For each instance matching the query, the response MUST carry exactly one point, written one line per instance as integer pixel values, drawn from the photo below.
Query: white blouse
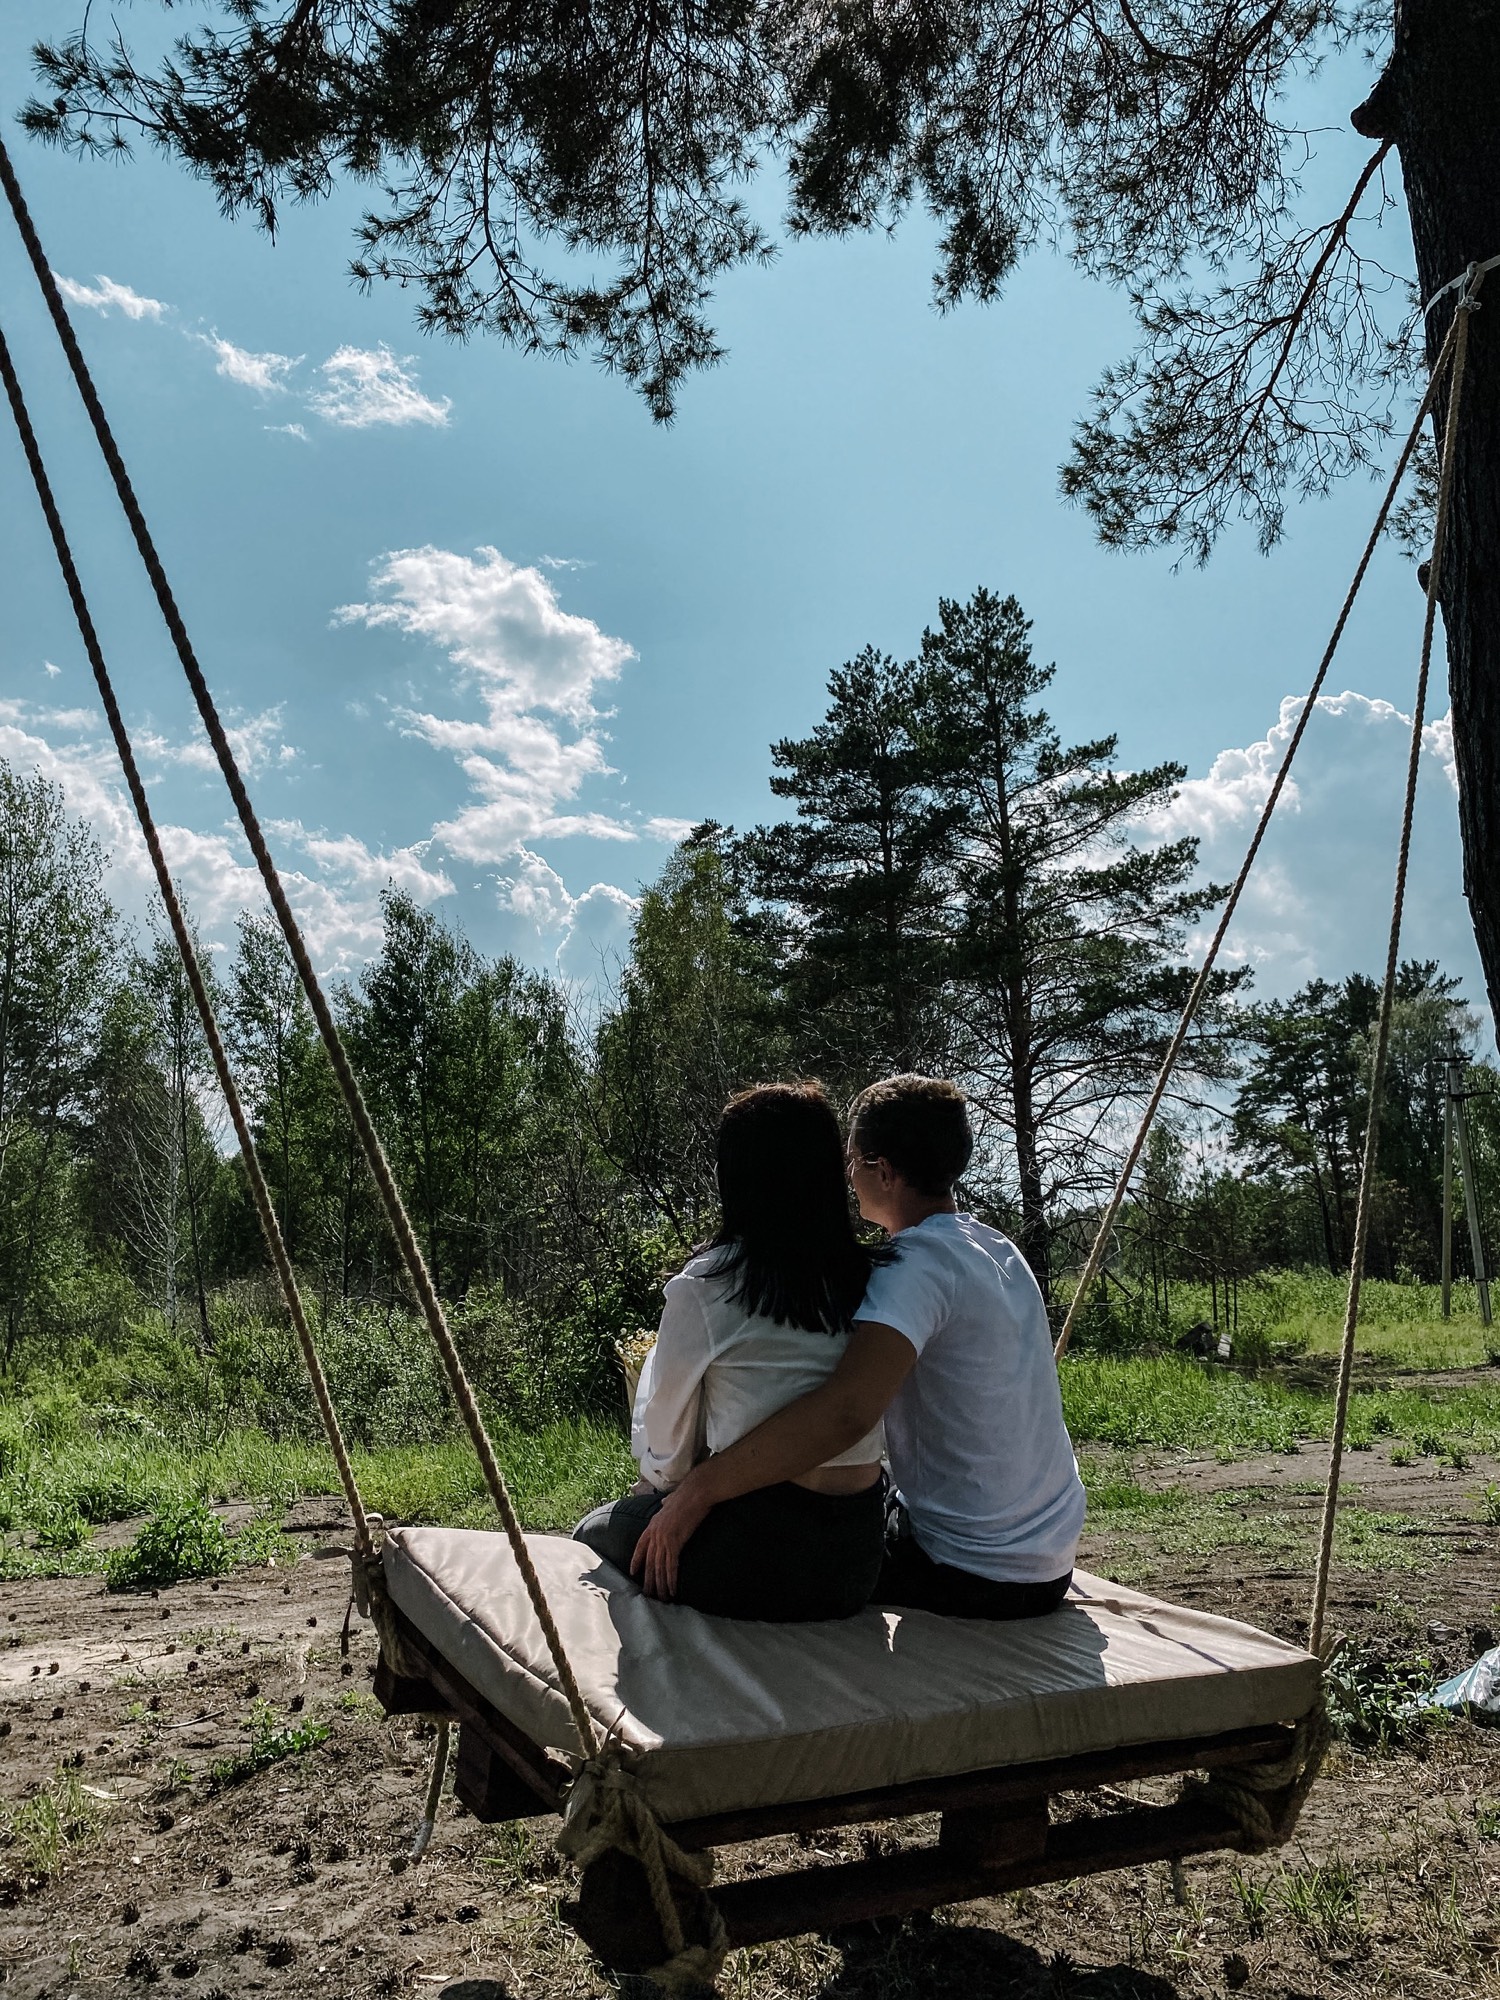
(717, 1371)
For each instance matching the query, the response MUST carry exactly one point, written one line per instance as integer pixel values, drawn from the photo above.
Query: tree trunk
(1439, 100)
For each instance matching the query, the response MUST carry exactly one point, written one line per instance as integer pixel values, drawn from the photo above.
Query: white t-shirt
(717, 1371)
(975, 1434)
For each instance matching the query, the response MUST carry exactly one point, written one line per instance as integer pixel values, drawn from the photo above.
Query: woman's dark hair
(786, 1228)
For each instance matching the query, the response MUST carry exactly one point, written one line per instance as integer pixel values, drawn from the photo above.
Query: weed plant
(272, 1738)
(41, 1831)
(188, 1539)
(1379, 1703)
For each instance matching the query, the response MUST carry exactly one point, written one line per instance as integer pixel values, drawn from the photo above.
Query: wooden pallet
(996, 1830)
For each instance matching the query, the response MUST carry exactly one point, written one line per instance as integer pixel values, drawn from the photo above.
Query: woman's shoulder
(702, 1267)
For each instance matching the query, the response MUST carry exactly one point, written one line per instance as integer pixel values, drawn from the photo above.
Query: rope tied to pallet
(607, 1809)
(1265, 1800)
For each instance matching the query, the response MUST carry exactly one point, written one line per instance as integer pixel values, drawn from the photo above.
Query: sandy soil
(294, 1881)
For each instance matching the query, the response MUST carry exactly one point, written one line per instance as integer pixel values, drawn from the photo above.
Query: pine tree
(859, 877)
(1067, 923)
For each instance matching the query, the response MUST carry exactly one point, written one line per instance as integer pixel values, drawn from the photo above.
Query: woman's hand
(664, 1537)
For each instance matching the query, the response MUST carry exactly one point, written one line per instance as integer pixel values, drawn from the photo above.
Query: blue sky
(490, 633)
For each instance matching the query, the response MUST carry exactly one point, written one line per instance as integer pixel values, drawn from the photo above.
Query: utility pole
(1456, 1125)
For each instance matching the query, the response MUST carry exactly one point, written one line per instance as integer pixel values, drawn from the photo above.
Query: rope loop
(606, 1809)
(1248, 1792)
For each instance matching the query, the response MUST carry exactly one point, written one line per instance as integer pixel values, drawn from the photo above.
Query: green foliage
(272, 1739)
(179, 1542)
(1323, 1899)
(59, 1456)
(1139, 1400)
(1380, 1703)
(42, 1831)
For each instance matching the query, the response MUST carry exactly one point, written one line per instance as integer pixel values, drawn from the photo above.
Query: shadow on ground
(959, 1962)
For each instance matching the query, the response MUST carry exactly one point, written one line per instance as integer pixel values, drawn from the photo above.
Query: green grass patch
(1141, 1527)
(1379, 1703)
(272, 1740)
(1136, 1401)
(42, 1831)
(64, 1463)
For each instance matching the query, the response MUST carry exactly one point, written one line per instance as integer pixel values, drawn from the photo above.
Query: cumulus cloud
(265, 373)
(334, 882)
(105, 295)
(368, 386)
(1318, 901)
(663, 827)
(532, 666)
(590, 934)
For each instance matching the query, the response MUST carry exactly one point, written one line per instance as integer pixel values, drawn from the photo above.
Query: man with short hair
(953, 1350)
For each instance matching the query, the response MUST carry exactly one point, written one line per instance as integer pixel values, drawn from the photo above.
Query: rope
(264, 1207)
(434, 1789)
(606, 1810)
(1247, 1792)
(1458, 332)
(374, 1152)
(1199, 987)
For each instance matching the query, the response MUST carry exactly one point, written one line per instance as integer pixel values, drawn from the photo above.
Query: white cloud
(256, 741)
(346, 858)
(528, 661)
(104, 295)
(289, 430)
(663, 827)
(52, 669)
(592, 931)
(1317, 903)
(265, 373)
(372, 386)
(334, 882)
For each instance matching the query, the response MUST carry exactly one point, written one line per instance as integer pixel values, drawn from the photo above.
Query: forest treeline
(954, 888)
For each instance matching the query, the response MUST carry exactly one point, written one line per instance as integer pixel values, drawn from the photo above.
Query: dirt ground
(294, 1880)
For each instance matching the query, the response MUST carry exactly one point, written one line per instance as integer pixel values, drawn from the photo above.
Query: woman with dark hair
(755, 1319)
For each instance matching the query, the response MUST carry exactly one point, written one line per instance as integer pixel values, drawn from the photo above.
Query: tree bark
(1439, 100)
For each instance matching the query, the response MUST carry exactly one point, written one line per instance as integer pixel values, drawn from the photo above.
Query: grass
(1144, 1524)
(1135, 1401)
(44, 1829)
(69, 1466)
(80, 1468)
(272, 1739)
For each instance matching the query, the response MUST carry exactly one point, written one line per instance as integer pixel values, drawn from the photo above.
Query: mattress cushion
(723, 1714)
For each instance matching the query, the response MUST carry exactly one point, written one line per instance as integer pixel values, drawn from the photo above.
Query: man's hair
(920, 1124)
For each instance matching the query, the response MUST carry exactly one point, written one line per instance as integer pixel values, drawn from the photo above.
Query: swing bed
(659, 1734)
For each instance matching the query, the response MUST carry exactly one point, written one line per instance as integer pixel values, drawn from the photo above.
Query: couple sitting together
(792, 1358)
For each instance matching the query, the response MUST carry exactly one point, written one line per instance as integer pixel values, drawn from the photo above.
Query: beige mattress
(724, 1714)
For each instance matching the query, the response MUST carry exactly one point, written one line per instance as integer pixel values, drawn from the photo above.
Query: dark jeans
(909, 1577)
(782, 1554)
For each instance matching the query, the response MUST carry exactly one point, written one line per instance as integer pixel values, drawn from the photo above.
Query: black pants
(782, 1554)
(909, 1577)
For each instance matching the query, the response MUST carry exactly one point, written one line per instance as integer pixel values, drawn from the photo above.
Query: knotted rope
(605, 1810)
(1265, 1801)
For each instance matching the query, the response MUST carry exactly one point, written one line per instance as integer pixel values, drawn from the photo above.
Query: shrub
(181, 1541)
